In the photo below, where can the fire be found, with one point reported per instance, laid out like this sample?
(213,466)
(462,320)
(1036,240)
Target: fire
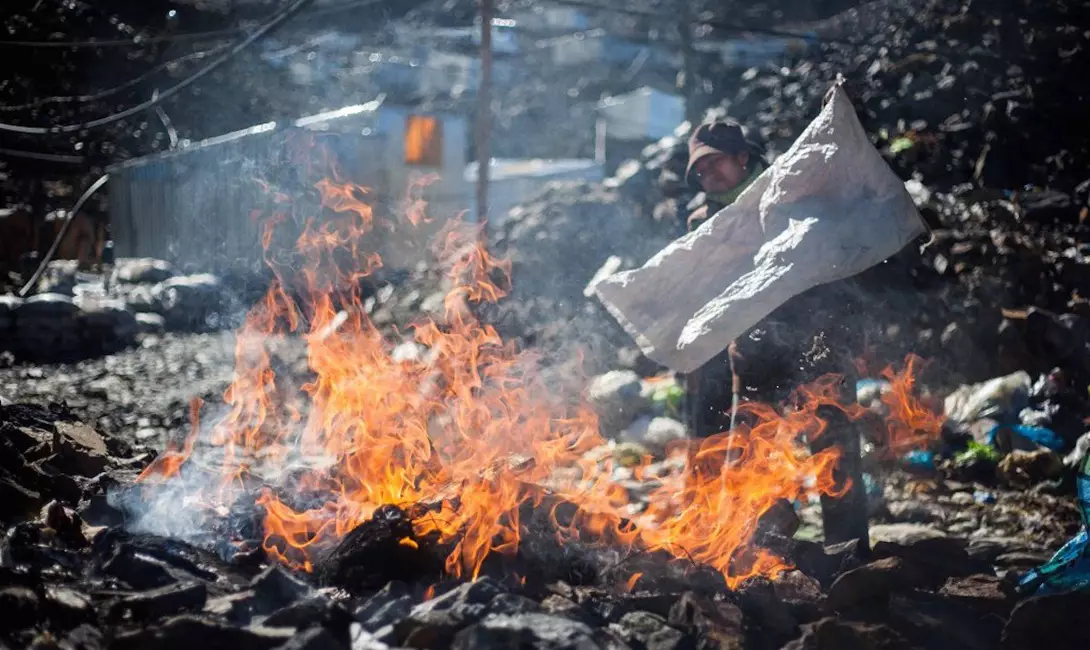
(910,424)
(466,431)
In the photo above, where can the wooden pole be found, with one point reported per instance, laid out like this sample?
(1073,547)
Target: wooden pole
(484,118)
(688,71)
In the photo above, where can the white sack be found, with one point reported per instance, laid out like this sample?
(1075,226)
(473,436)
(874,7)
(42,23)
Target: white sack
(829,208)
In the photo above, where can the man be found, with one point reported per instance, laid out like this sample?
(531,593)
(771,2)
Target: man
(723,163)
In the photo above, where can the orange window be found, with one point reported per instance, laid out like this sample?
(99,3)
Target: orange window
(423,141)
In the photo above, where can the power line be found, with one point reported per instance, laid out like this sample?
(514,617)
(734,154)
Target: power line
(46,157)
(141,41)
(272,23)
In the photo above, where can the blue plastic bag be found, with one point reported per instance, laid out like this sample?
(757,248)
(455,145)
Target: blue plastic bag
(1039,435)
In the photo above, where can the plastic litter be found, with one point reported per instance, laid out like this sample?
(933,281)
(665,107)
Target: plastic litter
(1039,435)
(1001,399)
(983,496)
(1069,568)
(868,391)
(827,209)
(920,458)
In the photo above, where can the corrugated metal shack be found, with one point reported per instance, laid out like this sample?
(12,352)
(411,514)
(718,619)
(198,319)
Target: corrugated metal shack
(196,206)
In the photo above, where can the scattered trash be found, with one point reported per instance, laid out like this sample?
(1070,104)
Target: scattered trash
(977,452)
(984,497)
(999,399)
(869,391)
(1023,469)
(1004,437)
(1069,568)
(920,459)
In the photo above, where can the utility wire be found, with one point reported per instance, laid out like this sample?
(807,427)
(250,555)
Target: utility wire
(141,41)
(273,23)
(34,279)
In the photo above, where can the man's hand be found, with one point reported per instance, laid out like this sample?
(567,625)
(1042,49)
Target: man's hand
(697,217)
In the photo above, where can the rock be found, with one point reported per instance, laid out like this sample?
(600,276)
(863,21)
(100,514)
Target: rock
(21,607)
(1022,469)
(530,631)
(560,606)
(389,605)
(1049,622)
(142,271)
(67,606)
(84,637)
(513,604)
(904,534)
(835,634)
(316,609)
(81,449)
(922,617)
(720,622)
(188,632)
(935,559)
(655,434)
(165,601)
(983,593)
(137,571)
(770,622)
(649,631)
(275,588)
(9,304)
(189,302)
(617,398)
(871,584)
(47,307)
(316,638)
(795,587)
(149,323)
(915,512)
(780,520)
(431,623)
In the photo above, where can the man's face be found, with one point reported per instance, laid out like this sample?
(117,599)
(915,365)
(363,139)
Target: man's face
(721,172)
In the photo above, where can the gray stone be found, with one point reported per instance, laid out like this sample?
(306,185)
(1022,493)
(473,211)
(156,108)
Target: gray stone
(655,434)
(316,638)
(10,304)
(872,584)
(537,631)
(142,270)
(275,588)
(149,323)
(903,533)
(389,605)
(834,634)
(47,306)
(617,398)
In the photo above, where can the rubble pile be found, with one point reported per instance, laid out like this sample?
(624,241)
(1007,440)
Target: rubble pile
(74,577)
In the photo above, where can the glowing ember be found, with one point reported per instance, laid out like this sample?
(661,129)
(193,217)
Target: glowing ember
(467,428)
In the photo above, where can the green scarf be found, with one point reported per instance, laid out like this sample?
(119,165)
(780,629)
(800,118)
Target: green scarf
(727,198)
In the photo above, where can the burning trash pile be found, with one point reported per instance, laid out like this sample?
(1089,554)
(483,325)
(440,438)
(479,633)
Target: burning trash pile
(450,499)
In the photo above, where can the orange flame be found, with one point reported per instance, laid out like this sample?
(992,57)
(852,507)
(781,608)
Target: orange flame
(909,423)
(467,430)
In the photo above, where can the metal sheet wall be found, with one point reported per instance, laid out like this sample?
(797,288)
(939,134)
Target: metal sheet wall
(197,208)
